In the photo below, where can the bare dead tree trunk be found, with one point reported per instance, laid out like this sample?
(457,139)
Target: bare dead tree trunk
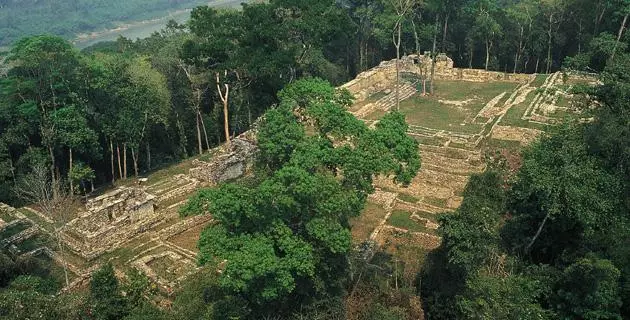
(205,133)
(125,160)
(70,180)
(487,53)
(542,224)
(402,7)
(197,89)
(549,43)
(120,172)
(445,31)
(148,157)
(598,19)
(433,54)
(134,158)
(416,38)
(517,57)
(526,64)
(226,121)
(52,166)
(621,29)
(12,168)
(537,64)
(199,134)
(37,187)
(396,40)
(111,151)
(225,96)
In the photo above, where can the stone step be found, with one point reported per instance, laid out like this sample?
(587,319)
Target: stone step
(438,178)
(461,153)
(447,162)
(452,170)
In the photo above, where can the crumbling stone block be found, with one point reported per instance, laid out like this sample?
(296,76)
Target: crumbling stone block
(231,163)
(110,220)
(383,76)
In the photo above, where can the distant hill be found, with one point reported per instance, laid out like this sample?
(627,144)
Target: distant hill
(67,18)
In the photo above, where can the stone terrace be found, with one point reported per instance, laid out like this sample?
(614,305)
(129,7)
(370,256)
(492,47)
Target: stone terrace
(136,225)
(495,111)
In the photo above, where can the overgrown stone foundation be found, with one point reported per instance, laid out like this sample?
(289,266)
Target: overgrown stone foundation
(233,161)
(115,218)
(383,76)
(110,220)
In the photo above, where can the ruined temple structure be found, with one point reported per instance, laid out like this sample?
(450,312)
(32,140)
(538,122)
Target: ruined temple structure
(230,161)
(383,76)
(116,217)
(110,220)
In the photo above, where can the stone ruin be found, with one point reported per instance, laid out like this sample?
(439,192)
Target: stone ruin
(230,162)
(383,76)
(110,220)
(116,217)
(29,229)
(18,219)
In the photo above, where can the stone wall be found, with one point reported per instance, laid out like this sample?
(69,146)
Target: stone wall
(110,220)
(184,225)
(383,76)
(228,163)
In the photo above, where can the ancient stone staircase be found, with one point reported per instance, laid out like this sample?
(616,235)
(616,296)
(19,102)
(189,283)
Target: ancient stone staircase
(388,102)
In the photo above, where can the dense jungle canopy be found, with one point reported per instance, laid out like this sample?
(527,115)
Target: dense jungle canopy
(547,240)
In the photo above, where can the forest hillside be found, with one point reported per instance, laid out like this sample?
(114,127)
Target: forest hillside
(320,159)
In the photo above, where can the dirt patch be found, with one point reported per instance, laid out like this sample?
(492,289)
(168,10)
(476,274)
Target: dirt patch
(395,236)
(409,248)
(189,238)
(363,225)
(523,135)
(457,103)
(492,108)
(168,268)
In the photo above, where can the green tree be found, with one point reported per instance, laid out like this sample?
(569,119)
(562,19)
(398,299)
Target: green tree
(602,50)
(145,103)
(589,289)
(45,76)
(485,27)
(562,197)
(28,304)
(502,297)
(522,16)
(106,301)
(287,237)
(470,235)
(553,12)
(81,174)
(74,132)
(138,287)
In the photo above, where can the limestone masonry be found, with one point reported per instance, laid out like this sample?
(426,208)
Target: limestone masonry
(383,76)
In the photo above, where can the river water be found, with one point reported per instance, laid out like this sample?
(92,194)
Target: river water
(145,28)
